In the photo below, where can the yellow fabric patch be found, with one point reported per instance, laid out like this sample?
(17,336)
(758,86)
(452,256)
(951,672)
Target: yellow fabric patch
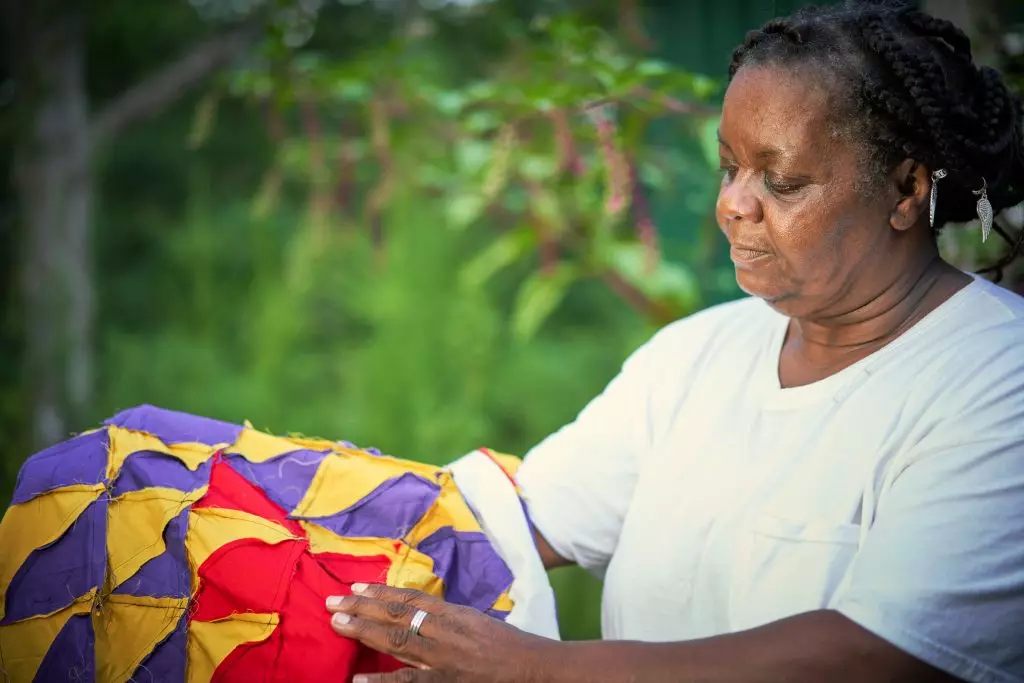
(37,523)
(258,447)
(409,568)
(323,540)
(127,630)
(503,603)
(341,482)
(311,443)
(124,442)
(450,511)
(24,644)
(211,528)
(210,642)
(135,527)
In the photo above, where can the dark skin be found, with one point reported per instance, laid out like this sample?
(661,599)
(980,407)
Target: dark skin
(853,270)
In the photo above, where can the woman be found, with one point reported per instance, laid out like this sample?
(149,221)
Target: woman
(823,481)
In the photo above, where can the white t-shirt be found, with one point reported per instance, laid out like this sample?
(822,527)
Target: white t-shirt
(713,500)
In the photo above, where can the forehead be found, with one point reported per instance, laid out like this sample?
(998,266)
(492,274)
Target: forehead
(768,108)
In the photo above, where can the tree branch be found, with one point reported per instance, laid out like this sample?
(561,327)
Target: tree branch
(158,90)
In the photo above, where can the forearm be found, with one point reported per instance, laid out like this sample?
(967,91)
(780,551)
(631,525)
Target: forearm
(809,648)
(549,557)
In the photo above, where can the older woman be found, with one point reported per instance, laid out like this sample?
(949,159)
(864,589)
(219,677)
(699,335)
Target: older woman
(823,481)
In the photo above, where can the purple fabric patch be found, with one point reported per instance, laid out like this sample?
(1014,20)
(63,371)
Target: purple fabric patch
(285,478)
(167,660)
(143,469)
(72,656)
(167,575)
(389,511)
(171,426)
(473,573)
(81,460)
(54,576)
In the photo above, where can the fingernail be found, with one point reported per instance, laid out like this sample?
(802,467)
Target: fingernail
(340,619)
(335,601)
(359,587)
(360,679)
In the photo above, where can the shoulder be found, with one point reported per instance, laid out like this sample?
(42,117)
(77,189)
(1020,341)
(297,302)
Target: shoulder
(984,332)
(709,335)
(975,369)
(745,317)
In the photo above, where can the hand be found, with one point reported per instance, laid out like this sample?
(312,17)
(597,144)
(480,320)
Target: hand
(454,643)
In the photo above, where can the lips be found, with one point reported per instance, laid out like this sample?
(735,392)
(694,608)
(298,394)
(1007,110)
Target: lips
(742,253)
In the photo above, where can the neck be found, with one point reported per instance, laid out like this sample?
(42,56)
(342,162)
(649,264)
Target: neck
(882,314)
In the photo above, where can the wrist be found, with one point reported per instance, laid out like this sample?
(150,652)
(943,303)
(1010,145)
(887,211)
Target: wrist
(543,661)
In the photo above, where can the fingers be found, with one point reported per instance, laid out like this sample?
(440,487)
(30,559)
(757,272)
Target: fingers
(376,591)
(398,614)
(395,640)
(389,606)
(403,676)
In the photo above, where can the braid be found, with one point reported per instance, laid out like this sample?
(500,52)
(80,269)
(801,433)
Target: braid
(932,27)
(910,89)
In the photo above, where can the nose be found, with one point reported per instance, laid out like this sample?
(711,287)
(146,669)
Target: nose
(737,201)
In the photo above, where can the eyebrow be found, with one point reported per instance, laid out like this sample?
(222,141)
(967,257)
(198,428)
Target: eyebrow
(769,153)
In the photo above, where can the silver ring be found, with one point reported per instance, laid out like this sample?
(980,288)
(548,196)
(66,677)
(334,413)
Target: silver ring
(417,622)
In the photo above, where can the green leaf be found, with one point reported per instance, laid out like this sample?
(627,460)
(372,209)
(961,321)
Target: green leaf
(538,298)
(501,253)
(669,282)
(350,90)
(652,67)
(202,123)
(653,176)
(482,90)
(548,208)
(464,209)
(472,155)
(704,87)
(449,101)
(538,167)
(482,121)
(708,137)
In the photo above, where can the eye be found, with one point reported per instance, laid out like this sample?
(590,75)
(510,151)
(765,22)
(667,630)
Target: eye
(781,187)
(728,170)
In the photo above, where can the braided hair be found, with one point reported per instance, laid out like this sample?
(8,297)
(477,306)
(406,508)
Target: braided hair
(908,88)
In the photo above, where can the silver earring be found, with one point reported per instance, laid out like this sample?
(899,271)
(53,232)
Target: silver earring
(936,176)
(984,210)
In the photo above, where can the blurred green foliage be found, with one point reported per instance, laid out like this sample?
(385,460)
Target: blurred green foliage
(398,246)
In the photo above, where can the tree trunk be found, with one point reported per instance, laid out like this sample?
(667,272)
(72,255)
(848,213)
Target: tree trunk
(51,176)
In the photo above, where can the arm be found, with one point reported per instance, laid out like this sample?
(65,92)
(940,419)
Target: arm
(809,648)
(938,584)
(548,556)
(577,484)
(460,645)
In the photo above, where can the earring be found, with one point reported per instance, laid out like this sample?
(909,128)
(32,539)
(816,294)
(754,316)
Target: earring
(936,177)
(984,210)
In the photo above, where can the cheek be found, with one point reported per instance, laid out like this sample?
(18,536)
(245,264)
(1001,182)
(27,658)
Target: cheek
(807,235)
(721,215)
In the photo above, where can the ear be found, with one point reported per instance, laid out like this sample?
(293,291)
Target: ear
(913,184)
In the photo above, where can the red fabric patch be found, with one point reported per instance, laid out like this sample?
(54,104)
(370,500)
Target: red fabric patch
(246,575)
(249,575)
(229,489)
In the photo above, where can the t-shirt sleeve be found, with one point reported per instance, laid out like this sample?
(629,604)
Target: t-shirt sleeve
(578,482)
(941,571)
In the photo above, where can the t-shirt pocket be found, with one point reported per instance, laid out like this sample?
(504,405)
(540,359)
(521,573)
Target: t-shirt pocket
(786,567)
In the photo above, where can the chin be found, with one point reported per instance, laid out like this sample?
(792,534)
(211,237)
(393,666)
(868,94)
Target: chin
(767,289)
